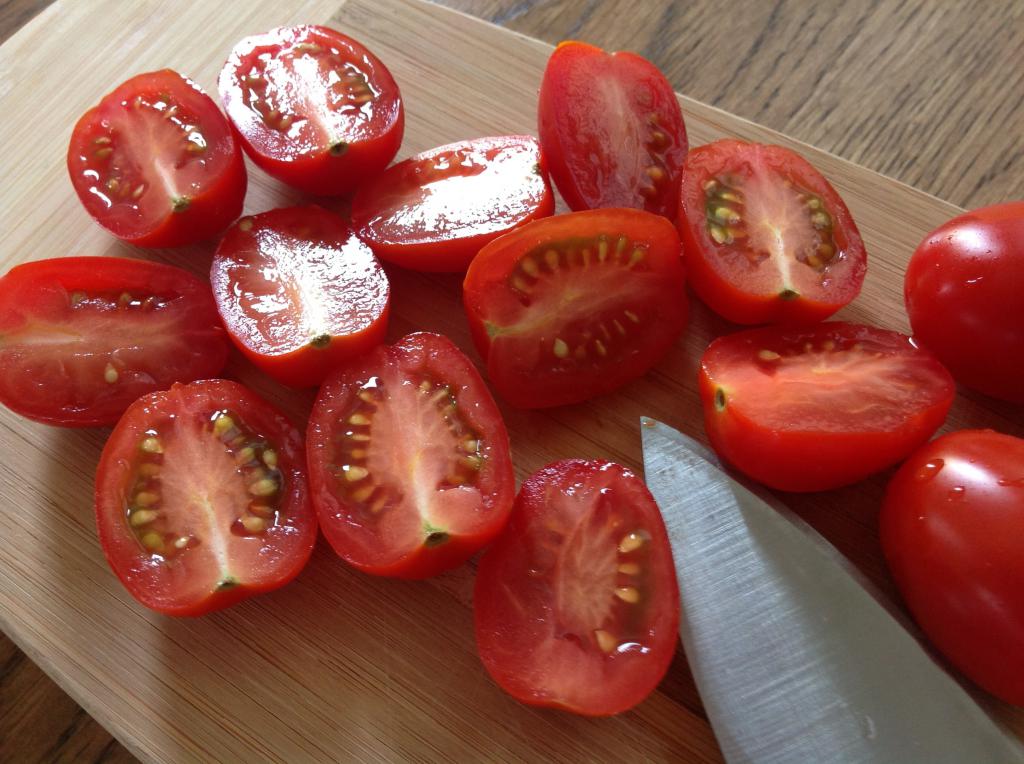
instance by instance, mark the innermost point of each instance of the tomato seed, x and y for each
(629, 568)
(142, 517)
(605, 641)
(631, 542)
(628, 594)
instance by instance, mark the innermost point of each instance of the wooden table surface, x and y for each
(928, 92)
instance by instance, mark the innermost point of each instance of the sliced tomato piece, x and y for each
(765, 236)
(576, 604)
(299, 293)
(201, 498)
(409, 459)
(82, 337)
(611, 128)
(156, 164)
(312, 107)
(816, 408)
(434, 211)
(576, 305)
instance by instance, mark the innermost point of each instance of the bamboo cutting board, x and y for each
(339, 665)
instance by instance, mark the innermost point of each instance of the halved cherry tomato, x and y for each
(409, 459)
(156, 164)
(201, 498)
(312, 107)
(963, 292)
(951, 529)
(82, 337)
(572, 306)
(299, 293)
(816, 408)
(766, 238)
(434, 211)
(576, 604)
(611, 129)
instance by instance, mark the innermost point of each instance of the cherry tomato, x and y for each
(299, 293)
(201, 498)
(409, 459)
(816, 408)
(766, 238)
(576, 604)
(434, 211)
(572, 306)
(82, 337)
(612, 130)
(156, 164)
(951, 529)
(963, 289)
(312, 107)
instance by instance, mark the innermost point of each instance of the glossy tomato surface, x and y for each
(611, 129)
(156, 164)
(409, 459)
(951, 530)
(201, 498)
(82, 337)
(963, 291)
(312, 107)
(765, 236)
(576, 604)
(816, 408)
(299, 292)
(434, 211)
(576, 305)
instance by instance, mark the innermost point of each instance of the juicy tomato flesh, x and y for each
(202, 500)
(434, 211)
(154, 149)
(962, 290)
(409, 459)
(82, 337)
(765, 236)
(812, 409)
(612, 129)
(951, 526)
(576, 305)
(576, 604)
(305, 93)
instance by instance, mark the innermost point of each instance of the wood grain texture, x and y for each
(403, 674)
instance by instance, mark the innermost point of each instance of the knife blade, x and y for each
(795, 656)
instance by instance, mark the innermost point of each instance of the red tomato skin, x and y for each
(452, 255)
(418, 349)
(208, 213)
(320, 173)
(489, 269)
(120, 549)
(113, 274)
(493, 627)
(803, 462)
(306, 366)
(714, 288)
(951, 528)
(962, 291)
(559, 122)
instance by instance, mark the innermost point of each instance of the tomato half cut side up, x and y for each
(611, 129)
(572, 306)
(201, 498)
(409, 459)
(82, 337)
(312, 107)
(299, 292)
(576, 604)
(434, 211)
(156, 163)
(817, 408)
(765, 236)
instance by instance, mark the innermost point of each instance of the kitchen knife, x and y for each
(794, 654)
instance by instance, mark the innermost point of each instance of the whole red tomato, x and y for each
(952, 527)
(963, 289)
